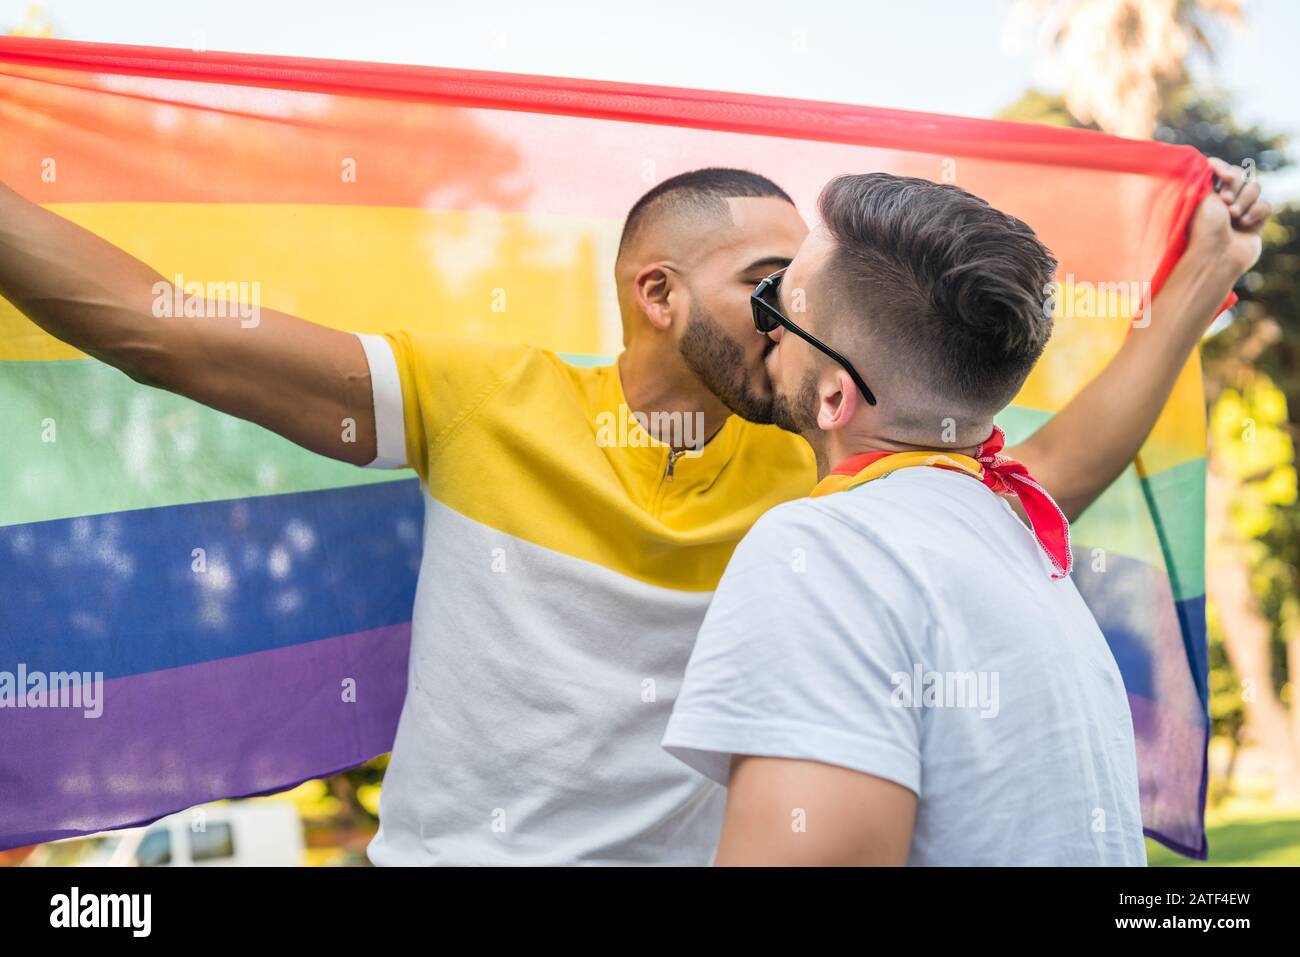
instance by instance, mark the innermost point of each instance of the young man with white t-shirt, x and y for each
(896, 669)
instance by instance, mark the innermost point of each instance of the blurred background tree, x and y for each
(35, 23)
(1124, 60)
(1126, 67)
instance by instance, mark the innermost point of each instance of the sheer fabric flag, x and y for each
(373, 197)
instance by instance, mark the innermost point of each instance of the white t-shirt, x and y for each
(923, 587)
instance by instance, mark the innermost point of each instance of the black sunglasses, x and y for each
(767, 317)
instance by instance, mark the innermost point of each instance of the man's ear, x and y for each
(836, 407)
(654, 287)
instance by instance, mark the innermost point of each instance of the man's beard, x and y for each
(720, 364)
(797, 415)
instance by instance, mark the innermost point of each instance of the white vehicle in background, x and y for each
(253, 833)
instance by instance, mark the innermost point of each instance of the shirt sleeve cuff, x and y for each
(390, 423)
(707, 744)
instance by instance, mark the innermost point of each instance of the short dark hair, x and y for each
(704, 189)
(954, 289)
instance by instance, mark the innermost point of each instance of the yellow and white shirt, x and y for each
(563, 581)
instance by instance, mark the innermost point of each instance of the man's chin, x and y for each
(750, 407)
(782, 419)
(791, 414)
(754, 399)
(751, 398)
(724, 368)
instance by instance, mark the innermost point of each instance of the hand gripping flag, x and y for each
(229, 586)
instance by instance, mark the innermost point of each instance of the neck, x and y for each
(834, 447)
(650, 388)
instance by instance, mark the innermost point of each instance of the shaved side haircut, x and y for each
(699, 191)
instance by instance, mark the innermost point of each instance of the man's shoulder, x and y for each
(457, 346)
(908, 502)
(803, 561)
(884, 529)
(828, 524)
(467, 361)
(860, 507)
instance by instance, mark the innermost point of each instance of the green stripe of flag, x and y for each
(119, 446)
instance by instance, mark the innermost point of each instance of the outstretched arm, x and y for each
(304, 381)
(1113, 415)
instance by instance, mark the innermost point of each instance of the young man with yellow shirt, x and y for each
(564, 575)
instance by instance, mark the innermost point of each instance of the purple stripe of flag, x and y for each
(1173, 788)
(168, 740)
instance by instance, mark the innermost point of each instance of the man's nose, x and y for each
(776, 334)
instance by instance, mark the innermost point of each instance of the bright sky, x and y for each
(942, 56)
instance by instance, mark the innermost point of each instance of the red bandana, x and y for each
(1003, 475)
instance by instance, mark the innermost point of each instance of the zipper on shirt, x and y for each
(673, 456)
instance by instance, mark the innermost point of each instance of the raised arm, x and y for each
(304, 381)
(1085, 446)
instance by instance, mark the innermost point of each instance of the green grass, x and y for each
(1263, 837)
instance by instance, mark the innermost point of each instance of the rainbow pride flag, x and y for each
(375, 197)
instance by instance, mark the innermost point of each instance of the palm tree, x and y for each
(1121, 59)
